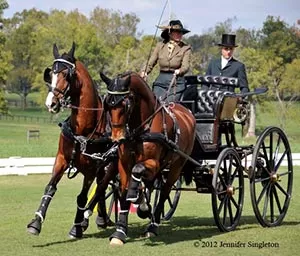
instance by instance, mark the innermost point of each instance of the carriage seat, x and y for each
(212, 108)
(208, 103)
(213, 104)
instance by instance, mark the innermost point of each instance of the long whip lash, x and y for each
(153, 39)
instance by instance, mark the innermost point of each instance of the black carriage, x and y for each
(219, 165)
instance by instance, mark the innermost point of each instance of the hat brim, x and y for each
(165, 32)
(227, 45)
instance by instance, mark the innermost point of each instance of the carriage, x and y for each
(157, 145)
(267, 164)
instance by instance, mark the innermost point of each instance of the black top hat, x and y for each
(228, 40)
(174, 25)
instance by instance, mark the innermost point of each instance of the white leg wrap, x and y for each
(40, 215)
(87, 214)
(136, 179)
(121, 231)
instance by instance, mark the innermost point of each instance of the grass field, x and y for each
(190, 232)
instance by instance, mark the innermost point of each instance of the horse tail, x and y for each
(187, 172)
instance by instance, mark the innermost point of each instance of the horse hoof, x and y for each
(116, 242)
(76, 232)
(33, 231)
(101, 224)
(144, 214)
(34, 227)
(150, 234)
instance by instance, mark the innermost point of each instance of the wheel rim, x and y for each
(271, 177)
(171, 202)
(228, 190)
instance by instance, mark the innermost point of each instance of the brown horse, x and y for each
(83, 134)
(152, 136)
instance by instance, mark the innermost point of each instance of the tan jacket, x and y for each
(180, 58)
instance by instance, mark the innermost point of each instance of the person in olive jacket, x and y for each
(173, 57)
(228, 66)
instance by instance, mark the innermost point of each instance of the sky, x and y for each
(197, 15)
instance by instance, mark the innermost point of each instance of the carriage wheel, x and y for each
(228, 190)
(271, 177)
(172, 200)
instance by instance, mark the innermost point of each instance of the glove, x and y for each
(144, 75)
(176, 72)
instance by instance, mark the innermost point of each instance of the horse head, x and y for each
(58, 79)
(119, 102)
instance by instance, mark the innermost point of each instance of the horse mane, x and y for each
(140, 86)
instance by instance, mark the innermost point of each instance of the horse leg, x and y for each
(99, 198)
(77, 229)
(173, 175)
(35, 225)
(135, 181)
(119, 236)
(103, 220)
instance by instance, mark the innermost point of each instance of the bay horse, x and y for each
(83, 133)
(153, 137)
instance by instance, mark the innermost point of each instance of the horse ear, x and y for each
(71, 52)
(105, 79)
(55, 51)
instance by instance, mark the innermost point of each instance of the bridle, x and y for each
(116, 98)
(58, 66)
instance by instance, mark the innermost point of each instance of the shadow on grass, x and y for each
(178, 229)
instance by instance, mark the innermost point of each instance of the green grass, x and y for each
(193, 223)
(14, 142)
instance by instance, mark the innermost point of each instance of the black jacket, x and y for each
(234, 68)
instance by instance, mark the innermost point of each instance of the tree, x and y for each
(5, 57)
(113, 25)
(22, 42)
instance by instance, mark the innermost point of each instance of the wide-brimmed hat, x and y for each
(228, 40)
(174, 25)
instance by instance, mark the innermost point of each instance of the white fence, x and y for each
(17, 165)
(24, 165)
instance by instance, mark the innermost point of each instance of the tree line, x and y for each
(109, 41)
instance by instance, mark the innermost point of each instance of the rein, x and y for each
(83, 108)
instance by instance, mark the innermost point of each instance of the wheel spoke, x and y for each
(284, 173)
(230, 211)
(271, 203)
(277, 200)
(271, 150)
(234, 202)
(281, 189)
(278, 163)
(221, 205)
(265, 188)
(222, 179)
(261, 180)
(170, 202)
(265, 209)
(233, 175)
(265, 156)
(229, 168)
(225, 209)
